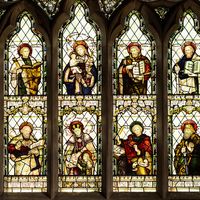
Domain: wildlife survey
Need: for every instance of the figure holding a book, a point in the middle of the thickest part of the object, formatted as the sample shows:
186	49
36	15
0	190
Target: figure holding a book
188	69
25	72
26	151
134	71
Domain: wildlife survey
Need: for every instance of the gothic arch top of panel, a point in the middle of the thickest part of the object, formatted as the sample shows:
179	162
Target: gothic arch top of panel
187	34
25	34
135	33
80	30
25	108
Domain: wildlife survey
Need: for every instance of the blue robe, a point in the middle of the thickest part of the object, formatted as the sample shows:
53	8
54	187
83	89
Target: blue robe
84	90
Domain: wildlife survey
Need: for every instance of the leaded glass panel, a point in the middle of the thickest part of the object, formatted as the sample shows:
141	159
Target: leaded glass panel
80	173
25	151
25	109
134	35
183	106
134	104
80	54
25	38
129	176
80	103
183	143
184	79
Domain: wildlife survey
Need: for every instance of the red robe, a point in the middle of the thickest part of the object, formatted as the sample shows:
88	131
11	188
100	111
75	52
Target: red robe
143	143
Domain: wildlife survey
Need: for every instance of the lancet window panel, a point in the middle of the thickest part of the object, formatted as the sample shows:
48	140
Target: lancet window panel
25	152
79	34
83	172
80	137
186	35
25	36
134	34
184	134
25	108
128	112
134	133
183	105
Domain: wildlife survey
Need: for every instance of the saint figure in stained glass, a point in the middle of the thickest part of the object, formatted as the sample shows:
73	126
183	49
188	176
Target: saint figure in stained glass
25	151
134	154
187	152
187	69
134	71
80	153
25	72
80	74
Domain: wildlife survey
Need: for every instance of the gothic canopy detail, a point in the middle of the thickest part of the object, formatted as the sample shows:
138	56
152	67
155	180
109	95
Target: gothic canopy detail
49	6
109	6
162	11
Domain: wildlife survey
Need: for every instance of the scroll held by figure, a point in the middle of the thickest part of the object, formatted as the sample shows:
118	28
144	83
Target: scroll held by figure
26	151
134	154
187	70
80	153
25	72
134	72
80	74
187	151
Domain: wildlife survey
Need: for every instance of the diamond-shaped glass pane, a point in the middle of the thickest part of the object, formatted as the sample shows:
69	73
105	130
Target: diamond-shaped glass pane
31	79
79	28
188	32
134	32
183	142
85	145
126	168
25	143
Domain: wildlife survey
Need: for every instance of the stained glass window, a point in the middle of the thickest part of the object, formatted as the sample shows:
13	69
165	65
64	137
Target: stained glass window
78	123
183	106
134	133
180	81
25	37
25	109
79	103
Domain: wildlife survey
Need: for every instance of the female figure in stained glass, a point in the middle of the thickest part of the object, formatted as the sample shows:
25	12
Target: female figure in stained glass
25	72
80	74
188	69
187	152
80	153
135	153
25	151
134	71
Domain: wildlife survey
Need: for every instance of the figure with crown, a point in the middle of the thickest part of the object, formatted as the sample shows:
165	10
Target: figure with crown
80	153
